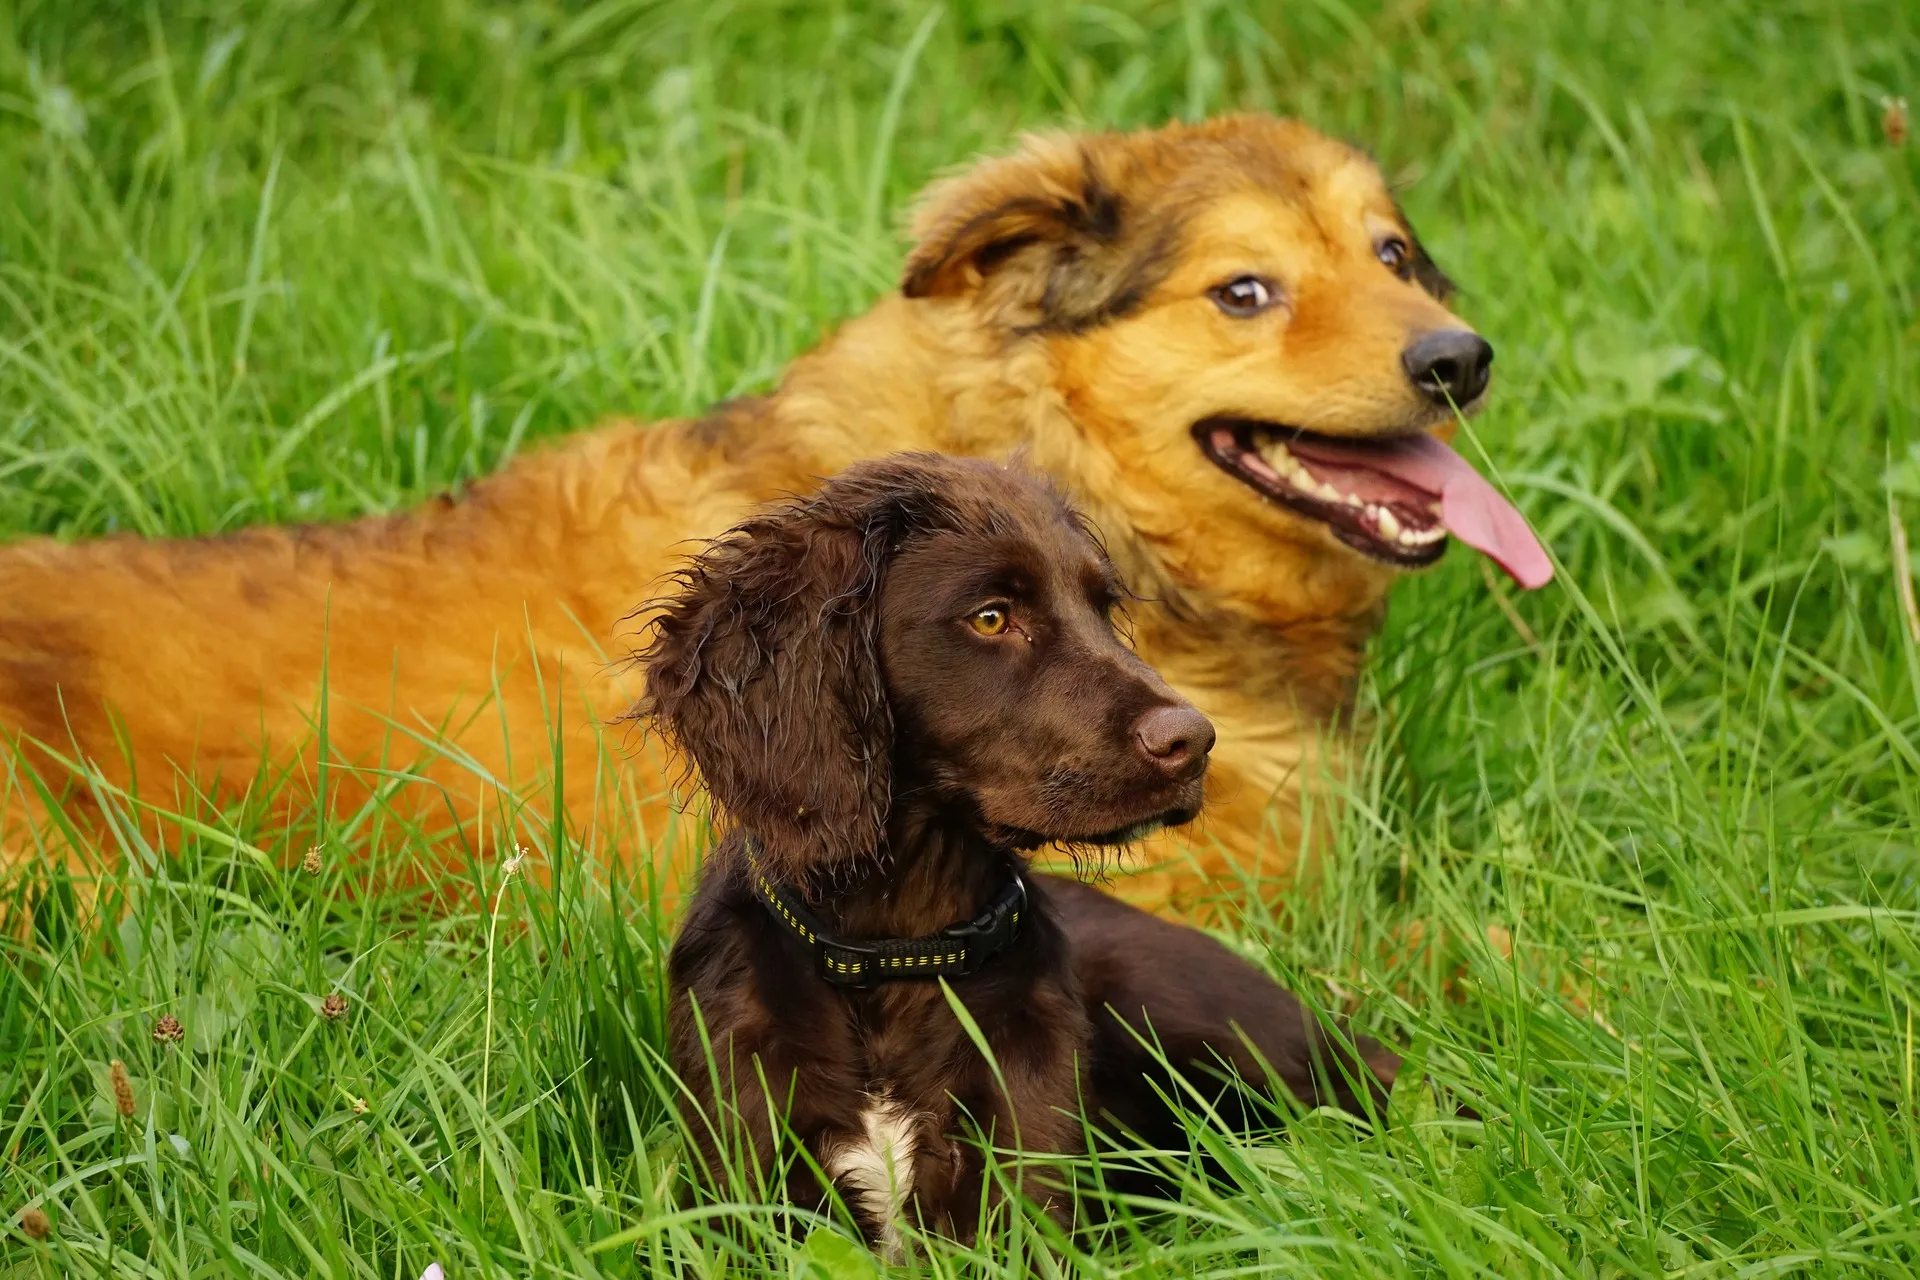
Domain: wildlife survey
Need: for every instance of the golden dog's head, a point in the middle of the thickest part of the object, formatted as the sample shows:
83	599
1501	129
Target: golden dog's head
1239	315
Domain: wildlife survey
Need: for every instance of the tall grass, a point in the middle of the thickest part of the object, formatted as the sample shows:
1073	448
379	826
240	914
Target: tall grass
282	260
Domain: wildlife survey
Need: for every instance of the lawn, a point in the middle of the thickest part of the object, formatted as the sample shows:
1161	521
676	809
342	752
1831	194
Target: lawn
298	260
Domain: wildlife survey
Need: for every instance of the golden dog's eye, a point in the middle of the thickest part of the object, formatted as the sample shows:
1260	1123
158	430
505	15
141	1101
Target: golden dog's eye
1244	296
1396	257
990	621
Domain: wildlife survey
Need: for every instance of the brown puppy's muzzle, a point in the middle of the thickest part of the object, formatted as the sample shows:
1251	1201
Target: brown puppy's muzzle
1449	365
1175	740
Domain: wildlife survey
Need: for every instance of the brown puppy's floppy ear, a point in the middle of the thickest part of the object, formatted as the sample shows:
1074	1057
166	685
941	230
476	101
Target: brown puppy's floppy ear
763	672
1045	229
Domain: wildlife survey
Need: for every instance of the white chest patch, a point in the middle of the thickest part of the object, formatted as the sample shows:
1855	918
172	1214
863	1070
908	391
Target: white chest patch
875	1170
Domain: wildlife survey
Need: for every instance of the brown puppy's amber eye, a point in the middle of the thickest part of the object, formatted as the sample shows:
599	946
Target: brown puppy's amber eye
990	621
1244	296
1396	257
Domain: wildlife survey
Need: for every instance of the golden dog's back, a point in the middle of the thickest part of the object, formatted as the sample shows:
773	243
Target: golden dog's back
466	648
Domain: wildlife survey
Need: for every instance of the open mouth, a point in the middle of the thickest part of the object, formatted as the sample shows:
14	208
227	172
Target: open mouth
1394	499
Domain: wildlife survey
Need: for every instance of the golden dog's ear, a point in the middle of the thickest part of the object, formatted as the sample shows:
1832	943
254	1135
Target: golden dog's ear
1046	228
968	225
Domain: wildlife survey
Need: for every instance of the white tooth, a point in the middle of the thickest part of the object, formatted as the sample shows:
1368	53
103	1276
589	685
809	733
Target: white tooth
1389	527
1330	493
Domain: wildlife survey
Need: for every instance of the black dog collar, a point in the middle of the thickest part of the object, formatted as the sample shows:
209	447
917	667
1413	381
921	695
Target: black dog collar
961	948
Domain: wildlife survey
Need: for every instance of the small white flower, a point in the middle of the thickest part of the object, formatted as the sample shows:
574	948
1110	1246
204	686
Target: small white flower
433	1272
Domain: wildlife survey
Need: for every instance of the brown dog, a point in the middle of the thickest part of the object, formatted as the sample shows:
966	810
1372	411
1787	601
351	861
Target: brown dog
894	689
1224	340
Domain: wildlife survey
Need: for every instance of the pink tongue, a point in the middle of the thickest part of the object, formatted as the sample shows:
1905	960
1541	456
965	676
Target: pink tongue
1472	509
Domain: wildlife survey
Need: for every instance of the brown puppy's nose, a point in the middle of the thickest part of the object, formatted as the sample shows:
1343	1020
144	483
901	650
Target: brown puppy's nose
1451	363
1176	739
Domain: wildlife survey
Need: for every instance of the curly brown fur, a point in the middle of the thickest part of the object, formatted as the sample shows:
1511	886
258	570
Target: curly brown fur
764	656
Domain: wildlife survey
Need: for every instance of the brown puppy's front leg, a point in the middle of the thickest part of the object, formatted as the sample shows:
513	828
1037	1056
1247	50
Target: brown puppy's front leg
731	1120
1207	1010
952	1192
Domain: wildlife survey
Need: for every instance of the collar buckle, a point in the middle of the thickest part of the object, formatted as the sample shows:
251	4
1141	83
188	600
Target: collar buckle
990	931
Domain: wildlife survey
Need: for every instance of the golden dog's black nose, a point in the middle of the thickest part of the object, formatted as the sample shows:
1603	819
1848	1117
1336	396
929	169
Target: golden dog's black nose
1451	364
1176	739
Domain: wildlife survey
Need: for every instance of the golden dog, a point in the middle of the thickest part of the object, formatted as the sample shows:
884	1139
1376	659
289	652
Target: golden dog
1223	339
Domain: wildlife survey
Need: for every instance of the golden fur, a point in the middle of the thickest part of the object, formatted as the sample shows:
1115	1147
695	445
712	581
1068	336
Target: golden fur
1055	302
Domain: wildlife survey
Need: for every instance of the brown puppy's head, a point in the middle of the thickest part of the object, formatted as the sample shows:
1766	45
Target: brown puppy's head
1239	314
923	631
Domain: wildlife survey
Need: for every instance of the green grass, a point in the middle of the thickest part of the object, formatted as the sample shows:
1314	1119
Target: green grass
280	261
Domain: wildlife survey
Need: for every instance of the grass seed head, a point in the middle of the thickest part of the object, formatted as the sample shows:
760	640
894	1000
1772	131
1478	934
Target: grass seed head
34	1223
311	862
1893	122
334	1007
122	1088
168	1030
